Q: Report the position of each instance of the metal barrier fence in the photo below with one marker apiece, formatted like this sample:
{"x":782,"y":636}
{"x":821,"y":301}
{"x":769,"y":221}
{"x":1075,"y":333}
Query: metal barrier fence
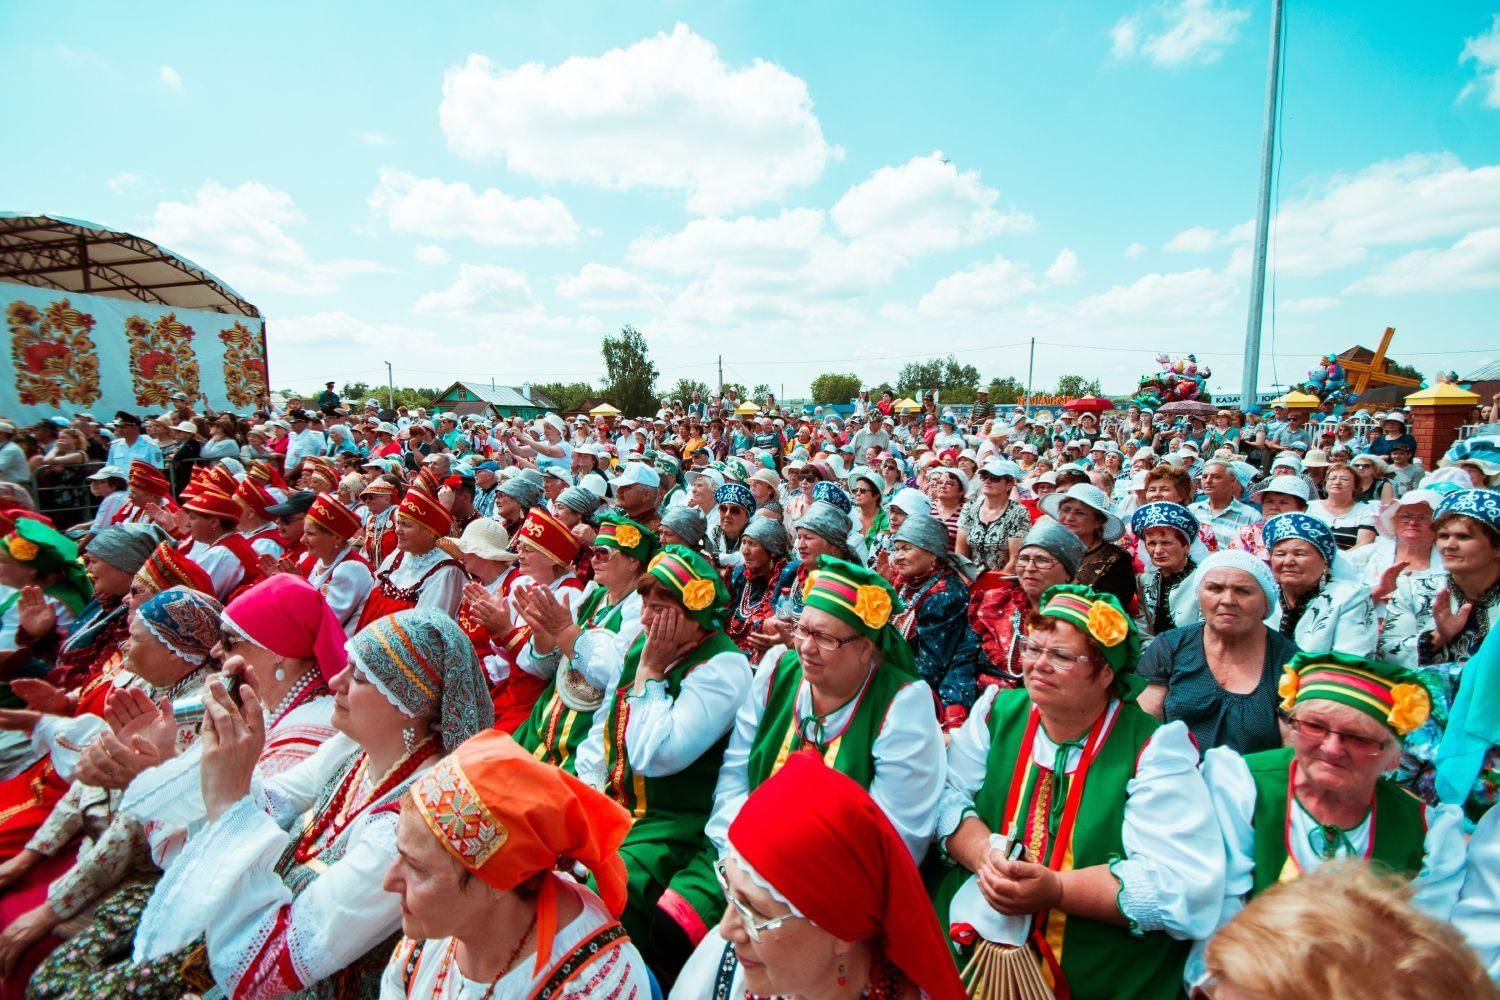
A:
{"x":63,"y":493}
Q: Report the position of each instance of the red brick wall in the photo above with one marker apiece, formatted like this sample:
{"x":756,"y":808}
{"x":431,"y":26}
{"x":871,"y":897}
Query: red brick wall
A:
{"x":1436,"y":428}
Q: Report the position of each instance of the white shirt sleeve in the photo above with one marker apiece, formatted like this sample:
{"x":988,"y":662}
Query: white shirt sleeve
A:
{"x":225,"y":885}
{"x":1477,"y":913}
{"x":346,"y":589}
{"x":1232,"y":791}
{"x":910,"y":767}
{"x":65,"y":739}
{"x":733,"y":786}
{"x":1172,"y":876}
{"x":968,"y":752}
{"x":444,"y":591}
{"x":1444,"y":855}
{"x":1354,"y":629}
{"x":665,"y":735}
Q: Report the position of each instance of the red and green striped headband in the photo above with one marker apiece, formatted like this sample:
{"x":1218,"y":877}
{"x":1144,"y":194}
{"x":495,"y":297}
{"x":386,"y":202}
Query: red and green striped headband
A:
{"x":1099,"y":616}
{"x":624,"y":535}
{"x":852,"y":594}
{"x":1389,"y":694}
{"x":694,"y":583}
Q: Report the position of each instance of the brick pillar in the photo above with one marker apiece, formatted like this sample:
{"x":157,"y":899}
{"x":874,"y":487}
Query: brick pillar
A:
{"x":1437,"y":414}
{"x":1436,"y":428}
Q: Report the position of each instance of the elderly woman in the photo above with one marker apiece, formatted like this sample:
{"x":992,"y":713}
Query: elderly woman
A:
{"x":1282,"y":494}
{"x":38,"y":566}
{"x":935,"y":615}
{"x":486,"y":909}
{"x":1219,"y":674}
{"x":847,"y":689}
{"x":582,"y":650}
{"x":658,"y":740}
{"x":828,"y":904}
{"x":1352,"y":519}
{"x":1073,"y":823}
{"x":420,"y":573}
{"x":734,"y":506}
{"x":823,"y":530}
{"x":1406,"y":545}
{"x":948,"y":490}
{"x":281,"y":885}
{"x":757,"y":584}
{"x":1435,"y":623}
{"x":1286,"y":812}
{"x":1000,"y":607}
{"x":1322,"y":605}
{"x":1084,"y":510}
{"x":992,"y":525}
{"x":1167,"y":599}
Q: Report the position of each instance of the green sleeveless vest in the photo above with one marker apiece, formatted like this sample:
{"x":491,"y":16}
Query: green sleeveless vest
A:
{"x":1098,"y":960}
{"x":853,"y":750}
{"x":690,"y":792}
{"x":554,"y":732}
{"x":1399,"y":825}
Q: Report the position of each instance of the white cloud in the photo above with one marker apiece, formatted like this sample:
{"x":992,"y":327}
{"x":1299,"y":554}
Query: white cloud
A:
{"x":484,"y":289}
{"x":1473,"y":262}
{"x":1311,"y":304}
{"x":1484,"y":50}
{"x":429,"y":254}
{"x":437,"y":209}
{"x":1178,"y":32}
{"x":1198,"y":239}
{"x":376,"y":139}
{"x":1136,"y":249}
{"x":922,"y":206}
{"x":598,"y":286}
{"x":170,"y":78}
{"x":1065,"y":270}
{"x":665,"y":113}
{"x":978,"y":289}
{"x":1174,"y":296}
{"x":123,"y":182}
{"x":240,"y":235}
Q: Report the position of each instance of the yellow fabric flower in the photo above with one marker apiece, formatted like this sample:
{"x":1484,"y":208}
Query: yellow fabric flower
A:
{"x":627,"y":535}
{"x":1411,"y":706}
{"x":1287,"y":688}
{"x":808,"y":584}
{"x":873,"y":605}
{"x":1107,"y":624}
{"x":698,"y":595}
{"x":22,"y":549}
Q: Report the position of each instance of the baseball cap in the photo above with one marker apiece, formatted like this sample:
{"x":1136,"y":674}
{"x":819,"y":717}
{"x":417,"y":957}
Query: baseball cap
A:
{"x":637,"y":474}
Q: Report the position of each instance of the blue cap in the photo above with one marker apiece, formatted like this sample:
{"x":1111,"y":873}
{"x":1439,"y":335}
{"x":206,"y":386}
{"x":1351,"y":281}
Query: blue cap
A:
{"x":488,"y":466}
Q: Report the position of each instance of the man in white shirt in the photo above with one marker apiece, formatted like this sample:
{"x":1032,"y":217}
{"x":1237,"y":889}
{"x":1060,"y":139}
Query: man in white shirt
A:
{"x":304,"y":443}
{"x":1220,"y":509}
{"x":130,"y":445}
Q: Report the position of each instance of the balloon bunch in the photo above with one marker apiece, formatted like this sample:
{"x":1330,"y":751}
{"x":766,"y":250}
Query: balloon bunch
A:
{"x":1328,"y":382}
{"x":1176,"y":380}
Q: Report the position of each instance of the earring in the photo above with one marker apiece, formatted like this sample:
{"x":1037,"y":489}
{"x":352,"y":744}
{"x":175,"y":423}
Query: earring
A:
{"x":409,"y":739}
{"x":843,"y":976}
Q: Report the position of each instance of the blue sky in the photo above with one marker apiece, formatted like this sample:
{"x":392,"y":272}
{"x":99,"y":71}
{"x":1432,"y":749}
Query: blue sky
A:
{"x":484,"y":191}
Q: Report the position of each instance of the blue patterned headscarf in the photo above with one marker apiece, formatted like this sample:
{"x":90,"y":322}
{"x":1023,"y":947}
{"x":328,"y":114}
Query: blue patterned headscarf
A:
{"x":738,"y":495}
{"x":1304,"y":527}
{"x":1165,"y":514}
{"x":833,"y":493}
{"x":184,"y":621}
{"x":424,"y":665}
{"x":1482,"y":505}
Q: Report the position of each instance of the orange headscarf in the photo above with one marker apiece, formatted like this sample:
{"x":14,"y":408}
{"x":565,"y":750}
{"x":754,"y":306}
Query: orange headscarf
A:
{"x":506,"y":816}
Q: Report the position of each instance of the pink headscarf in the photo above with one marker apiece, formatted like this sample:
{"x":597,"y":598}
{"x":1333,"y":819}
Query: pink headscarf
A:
{"x":290,"y":617}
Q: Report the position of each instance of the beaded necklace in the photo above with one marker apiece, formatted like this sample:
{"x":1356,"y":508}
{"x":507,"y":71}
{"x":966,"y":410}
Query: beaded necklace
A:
{"x":341,"y":811}
{"x":450,"y":961}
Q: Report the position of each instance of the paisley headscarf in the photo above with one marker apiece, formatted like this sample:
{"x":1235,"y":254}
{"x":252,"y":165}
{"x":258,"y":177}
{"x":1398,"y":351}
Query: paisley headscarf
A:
{"x":185,"y":621}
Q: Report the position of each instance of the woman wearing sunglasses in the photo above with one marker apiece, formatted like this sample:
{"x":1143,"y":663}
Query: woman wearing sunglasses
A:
{"x":847,"y":687}
{"x":1289,"y":811}
{"x":829,"y":905}
{"x":1074,"y":825}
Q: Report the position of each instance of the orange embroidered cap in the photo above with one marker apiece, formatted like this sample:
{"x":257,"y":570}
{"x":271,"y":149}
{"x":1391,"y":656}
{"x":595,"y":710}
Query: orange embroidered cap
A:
{"x":548,"y":535}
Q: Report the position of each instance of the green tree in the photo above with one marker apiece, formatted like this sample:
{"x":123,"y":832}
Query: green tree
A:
{"x":567,"y":395}
{"x":630,"y":372}
{"x":1407,"y":371}
{"x":762,"y":390}
{"x":835,"y":387}
{"x":955,"y":381}
{"x":1006,"y":390}
{"x":684,"y":389}
{"x":738,"y":387}
{"x":1077,"y":385}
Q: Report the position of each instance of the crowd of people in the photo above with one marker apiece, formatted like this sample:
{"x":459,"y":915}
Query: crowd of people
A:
{"x":335,"y":700}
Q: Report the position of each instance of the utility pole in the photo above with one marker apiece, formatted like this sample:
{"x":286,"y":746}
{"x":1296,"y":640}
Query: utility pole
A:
{"x":1030,"y":371}
{"x":721,"y":376}
{"x":390,"y":385}
{"x":1251,"y":382}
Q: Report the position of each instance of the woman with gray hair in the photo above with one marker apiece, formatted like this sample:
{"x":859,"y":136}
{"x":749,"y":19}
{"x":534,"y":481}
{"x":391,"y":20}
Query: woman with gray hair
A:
{"x":756,"y":584}
{"x":1000,"y":607}
{"x":934,"y":591}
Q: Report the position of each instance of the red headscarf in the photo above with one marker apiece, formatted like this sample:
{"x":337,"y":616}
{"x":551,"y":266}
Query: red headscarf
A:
{"x":844,"y":867}
{"x":290,"y":617}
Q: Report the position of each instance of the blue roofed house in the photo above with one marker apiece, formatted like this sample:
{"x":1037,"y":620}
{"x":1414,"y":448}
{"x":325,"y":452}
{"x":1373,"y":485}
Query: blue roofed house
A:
{"x":492,"y":400}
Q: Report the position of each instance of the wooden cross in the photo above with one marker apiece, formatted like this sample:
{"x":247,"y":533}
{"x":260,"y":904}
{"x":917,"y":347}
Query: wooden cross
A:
{"x":1362,"y":375}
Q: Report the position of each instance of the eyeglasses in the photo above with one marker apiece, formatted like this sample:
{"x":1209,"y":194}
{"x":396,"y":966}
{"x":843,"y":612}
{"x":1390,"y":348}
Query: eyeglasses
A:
{"x":1035,"y":562}
{"x":824,"y":641}
{"x":291,"y":519}
{"x":1316,"y":733}
{"x":601,"y":554}
{"x":862,"y":489}
{"x":754,"y":927}
{"x":1056,"y":658}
